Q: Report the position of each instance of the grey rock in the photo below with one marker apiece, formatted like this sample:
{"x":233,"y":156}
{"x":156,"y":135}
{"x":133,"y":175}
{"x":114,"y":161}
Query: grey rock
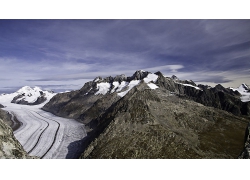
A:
{"x":245,"y":154}
{"x":39,"y":100}
{"x":10,"y":148}
{"x":174,"y":77}
{"x":120,"y":78}
{"x":138,"y":75}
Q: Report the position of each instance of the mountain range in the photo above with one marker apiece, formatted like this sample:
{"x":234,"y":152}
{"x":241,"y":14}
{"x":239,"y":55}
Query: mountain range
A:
{"x":148,"y":115}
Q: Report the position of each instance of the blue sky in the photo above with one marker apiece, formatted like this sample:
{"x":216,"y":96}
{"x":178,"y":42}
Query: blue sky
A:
{"x":64,"y":54}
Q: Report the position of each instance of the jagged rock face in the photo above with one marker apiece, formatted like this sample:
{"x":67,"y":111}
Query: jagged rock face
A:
{"x":9,"y":119}
{"x":246,"y":150}
{"x":203,"y":87}
{"x":138,"y":75}
{"x":10,"y":148}
{"x":6,"y":117}
{"x":39,"y":100}
{"x":174,"y":77}
{"x":1,"y":106}
{"x":58,"y":104}
{"x":120,"y":78}
{"x":151,"y":124}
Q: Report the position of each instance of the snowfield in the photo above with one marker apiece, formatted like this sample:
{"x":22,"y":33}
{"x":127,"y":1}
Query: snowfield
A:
{"x":43,"y":134}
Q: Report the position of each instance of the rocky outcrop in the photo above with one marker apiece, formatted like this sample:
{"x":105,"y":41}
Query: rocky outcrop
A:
{"x":245,"y":154}
{"x":10,"y":119}
{"x":1,"y":106}
{"x":39,"y":100}
{"x":10,"y":148}
{"x":138,"y":75}
{"x":6,"y":117}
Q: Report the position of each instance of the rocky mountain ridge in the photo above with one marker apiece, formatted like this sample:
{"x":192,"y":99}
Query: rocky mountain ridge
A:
{"x":103,"y":107}
{"x":152,"y":124}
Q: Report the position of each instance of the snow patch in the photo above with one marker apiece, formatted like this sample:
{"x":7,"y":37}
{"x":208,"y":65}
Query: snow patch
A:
{"x":130,"y":86}
{"x":190,"y":86}
{"x":88,"y":91}
{"x":97,"y":79}
{"x":103,"y":88}
{"x":150,"y":77}
{"x":152,"y":86}
{"x":115,"y":84}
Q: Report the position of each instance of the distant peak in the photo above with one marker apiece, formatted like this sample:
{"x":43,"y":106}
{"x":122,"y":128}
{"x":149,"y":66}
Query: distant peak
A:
{"x":98,"y":78}
{"x":174,"y":77}
{"x":139,"y":75}
{"x":219,"y":87}
{"x":27,"y":89}
{"x":245,"y":86}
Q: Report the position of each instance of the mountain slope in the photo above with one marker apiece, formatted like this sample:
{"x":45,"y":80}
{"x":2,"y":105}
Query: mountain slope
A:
{"x":152,"y":124}
{"x":145,"y":106}
{"x":245,"y":154}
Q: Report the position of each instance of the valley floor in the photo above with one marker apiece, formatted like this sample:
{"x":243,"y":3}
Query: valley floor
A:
{"x":45,"y":135}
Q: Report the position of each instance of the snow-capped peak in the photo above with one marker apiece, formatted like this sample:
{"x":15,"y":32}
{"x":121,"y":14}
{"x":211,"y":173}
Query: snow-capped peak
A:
{"x":28,"y":89}
{"x":123,"y":85}
{"x":27,"y":95}
{"x":243,"y":87}
{"x":174,"y":77}
{"x":244,"y":90}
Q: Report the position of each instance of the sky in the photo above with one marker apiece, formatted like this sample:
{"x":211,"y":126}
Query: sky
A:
{"x":64,"y":54}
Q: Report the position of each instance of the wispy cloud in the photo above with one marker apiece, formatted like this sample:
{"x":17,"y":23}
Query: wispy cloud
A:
{"x":56,"y":51}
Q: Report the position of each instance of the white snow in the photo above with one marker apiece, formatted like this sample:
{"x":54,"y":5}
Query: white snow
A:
{"x":245,"y":96}
{"x":88,"y":91}
{"x":30,"y":94}
{"x":242,"y":88}
{"x":119,"y":87}
{"x":130,"y":86}
{"x":150,"y":77}
{"x":115,"y":84}
{"x":35,"y":121}
{"x":97,"y":79}
{"x":7,"y":98}
{"x":152,"y":86}
{"x":122,"y":86}
{"x":190,"y":86}
{"x":103,"y":88}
